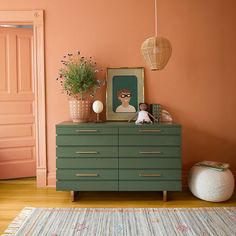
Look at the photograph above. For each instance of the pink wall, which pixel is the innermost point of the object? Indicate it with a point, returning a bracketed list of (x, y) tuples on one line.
[(198, 84)]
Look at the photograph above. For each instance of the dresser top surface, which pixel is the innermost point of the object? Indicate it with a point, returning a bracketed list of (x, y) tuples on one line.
[(116, 124)]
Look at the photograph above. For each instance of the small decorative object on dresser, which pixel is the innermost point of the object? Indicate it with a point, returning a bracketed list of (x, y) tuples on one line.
[(211, 181), (78, 79), (98, 108), (118, 156), (166, 116), (155, 110), (160, 114), (143, 115)]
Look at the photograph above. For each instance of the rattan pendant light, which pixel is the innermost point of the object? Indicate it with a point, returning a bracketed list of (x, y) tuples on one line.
[(156, 50)]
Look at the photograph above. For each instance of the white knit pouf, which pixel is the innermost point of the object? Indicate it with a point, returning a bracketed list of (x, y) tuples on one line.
[(211, 185)]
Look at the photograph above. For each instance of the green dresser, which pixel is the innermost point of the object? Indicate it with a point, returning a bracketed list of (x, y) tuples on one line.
[(118, 156)]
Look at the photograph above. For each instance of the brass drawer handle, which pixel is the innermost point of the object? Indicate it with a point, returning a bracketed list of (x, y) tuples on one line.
[(86, 130), (149, 130), (87, 175), (149, 175), (157, 152), (86, 152)]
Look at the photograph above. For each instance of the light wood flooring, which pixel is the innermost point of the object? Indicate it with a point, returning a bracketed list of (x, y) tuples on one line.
[(17, 194)]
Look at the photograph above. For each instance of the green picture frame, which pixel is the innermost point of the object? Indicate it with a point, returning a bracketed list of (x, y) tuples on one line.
[(125, 90)]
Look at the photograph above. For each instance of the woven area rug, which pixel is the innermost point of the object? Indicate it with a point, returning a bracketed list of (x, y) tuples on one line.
[(124, 221)]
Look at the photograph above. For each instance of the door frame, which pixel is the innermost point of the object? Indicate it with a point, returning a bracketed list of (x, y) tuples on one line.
[(35, 18)]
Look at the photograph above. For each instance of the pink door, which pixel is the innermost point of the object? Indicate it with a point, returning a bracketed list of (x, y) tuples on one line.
[(17, 121)]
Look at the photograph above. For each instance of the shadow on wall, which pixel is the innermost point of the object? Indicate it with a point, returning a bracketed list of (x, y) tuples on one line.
[(199, 145)]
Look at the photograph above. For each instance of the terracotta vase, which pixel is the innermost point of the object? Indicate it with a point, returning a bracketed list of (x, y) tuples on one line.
[(80, 110)]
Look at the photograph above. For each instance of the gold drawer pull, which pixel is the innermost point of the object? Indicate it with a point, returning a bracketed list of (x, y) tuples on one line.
[(157, 152), (149, 175), (87, 175), (86, 130), (86, 152), (149, 130)]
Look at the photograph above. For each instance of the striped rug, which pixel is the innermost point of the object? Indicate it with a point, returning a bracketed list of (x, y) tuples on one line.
[(124, 222)]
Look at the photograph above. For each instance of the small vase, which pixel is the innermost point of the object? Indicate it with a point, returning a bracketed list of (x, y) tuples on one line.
[(80, 110)]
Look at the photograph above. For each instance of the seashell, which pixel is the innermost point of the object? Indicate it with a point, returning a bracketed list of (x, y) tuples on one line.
[(166, 116)]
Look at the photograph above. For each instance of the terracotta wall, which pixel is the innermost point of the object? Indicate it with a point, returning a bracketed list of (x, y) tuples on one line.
[(197, 86)]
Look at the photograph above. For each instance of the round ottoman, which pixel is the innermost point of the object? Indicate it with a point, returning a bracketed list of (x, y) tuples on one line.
[(211, 185)]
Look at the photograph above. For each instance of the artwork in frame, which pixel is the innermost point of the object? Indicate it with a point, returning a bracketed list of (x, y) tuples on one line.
[(125, 90)]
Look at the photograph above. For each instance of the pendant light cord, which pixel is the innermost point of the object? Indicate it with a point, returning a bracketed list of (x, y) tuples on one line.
[(155, 5)]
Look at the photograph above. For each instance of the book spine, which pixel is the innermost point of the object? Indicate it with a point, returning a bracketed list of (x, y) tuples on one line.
[(155, 110)]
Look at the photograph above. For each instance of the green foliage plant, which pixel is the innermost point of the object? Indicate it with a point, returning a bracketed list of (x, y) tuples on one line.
[(78, 76)]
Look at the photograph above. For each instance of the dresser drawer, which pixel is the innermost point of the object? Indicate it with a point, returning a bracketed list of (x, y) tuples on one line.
[(86, 185), (149, 162), (88, 163), (162, 185), (93, 174), (150, 130), (149, 140), (142, 151), (90, 151), (86, 130), (154, 174), (86, 140)]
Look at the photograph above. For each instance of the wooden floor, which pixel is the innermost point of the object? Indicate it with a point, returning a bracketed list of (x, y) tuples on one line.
[(17, 194)]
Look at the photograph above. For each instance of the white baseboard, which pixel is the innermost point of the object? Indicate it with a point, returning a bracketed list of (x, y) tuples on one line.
[(51, 180)]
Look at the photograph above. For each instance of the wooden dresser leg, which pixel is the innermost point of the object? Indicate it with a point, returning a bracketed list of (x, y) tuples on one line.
[(73, 195), (165, 196)]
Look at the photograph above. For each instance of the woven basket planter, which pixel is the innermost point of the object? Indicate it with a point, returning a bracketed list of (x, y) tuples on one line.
[(156, 52), (80, 110)]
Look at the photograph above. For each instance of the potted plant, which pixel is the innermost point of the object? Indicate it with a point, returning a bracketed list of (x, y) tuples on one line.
[(78, 80)]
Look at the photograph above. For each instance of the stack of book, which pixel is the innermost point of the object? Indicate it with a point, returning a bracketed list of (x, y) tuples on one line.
[(214, 165), (155, 110)]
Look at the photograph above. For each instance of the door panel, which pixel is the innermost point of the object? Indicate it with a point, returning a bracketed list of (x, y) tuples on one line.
[(15, 154), (4, 85), (16, 108), (24, 82), (23, 119), (15, 131), (17, 119)]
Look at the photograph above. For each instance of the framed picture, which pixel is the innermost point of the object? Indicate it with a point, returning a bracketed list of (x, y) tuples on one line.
[(125, 90)]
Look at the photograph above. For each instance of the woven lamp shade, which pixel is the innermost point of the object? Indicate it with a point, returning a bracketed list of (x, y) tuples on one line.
[(156, 52)]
